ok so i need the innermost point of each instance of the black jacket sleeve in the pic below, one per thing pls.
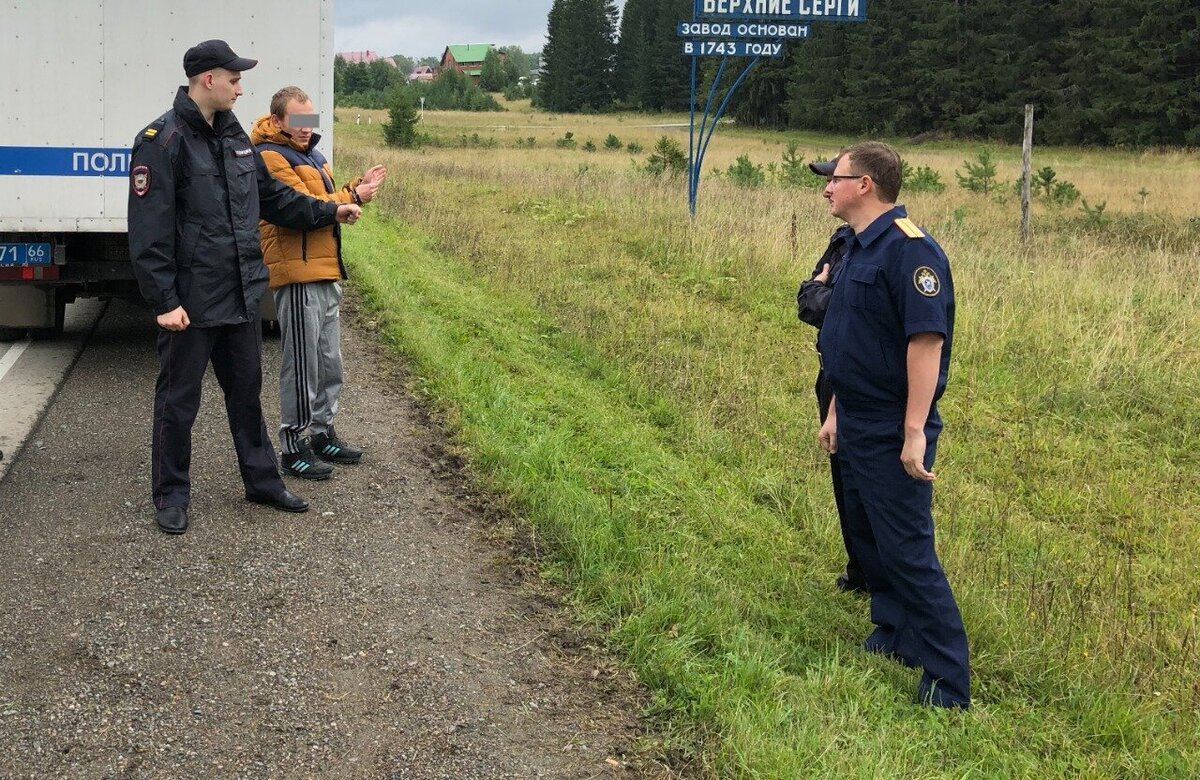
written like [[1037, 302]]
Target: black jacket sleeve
[[812, 299], [284, 206], [152, 225]]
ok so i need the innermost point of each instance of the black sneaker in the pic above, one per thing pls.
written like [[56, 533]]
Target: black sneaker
[[305, 464], [329, 447]]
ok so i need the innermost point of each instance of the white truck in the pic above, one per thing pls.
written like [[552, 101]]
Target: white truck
[[79, 79]]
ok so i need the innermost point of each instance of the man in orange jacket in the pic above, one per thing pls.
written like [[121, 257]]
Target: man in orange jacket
[[306, 273]]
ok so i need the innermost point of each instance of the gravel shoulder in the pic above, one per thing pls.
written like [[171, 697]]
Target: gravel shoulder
[[390, 632]]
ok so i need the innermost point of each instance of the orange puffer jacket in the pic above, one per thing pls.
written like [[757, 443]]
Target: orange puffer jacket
[[297, 256]]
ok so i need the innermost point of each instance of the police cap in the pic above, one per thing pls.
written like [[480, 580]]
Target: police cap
[[825, 167], [213, 54]]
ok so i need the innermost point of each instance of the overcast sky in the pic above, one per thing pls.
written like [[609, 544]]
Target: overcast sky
[[423, 28]]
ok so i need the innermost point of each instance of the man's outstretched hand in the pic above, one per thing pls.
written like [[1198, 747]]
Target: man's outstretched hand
[[348, 213]]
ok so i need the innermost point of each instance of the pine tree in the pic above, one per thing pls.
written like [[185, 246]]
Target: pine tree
[[492, 77], [577, 63], [667, 78], [630, 63], [401, 128], [552, 84]]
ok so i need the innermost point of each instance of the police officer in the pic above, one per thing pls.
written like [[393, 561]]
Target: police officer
[[885, 345], [197, 188], [812, 299]]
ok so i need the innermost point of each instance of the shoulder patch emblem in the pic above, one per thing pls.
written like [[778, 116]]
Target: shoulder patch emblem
[[139, 180], [926, 280], [149, 133], [909, 228]]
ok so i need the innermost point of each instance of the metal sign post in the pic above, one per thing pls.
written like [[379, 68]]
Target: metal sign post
[[744, 28]]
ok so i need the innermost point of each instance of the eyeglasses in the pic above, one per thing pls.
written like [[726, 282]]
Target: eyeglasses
[[837, 176]]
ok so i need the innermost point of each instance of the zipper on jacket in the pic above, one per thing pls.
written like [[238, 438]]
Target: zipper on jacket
[[304, 246]]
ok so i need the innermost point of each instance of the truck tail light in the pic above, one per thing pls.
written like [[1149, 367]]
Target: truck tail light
[[30, 273]]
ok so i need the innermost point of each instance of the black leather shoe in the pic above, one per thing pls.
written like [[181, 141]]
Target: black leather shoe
[[171, 519], [848, 585], [287, 501]]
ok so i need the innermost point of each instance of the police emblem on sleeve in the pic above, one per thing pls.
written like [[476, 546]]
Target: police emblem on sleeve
[[926, 280], [139, 180]]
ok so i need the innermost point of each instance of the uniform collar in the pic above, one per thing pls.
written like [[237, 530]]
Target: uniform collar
[[187, 108], [880, 225]]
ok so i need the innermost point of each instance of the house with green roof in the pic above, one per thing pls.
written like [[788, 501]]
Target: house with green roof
[[467, 58]]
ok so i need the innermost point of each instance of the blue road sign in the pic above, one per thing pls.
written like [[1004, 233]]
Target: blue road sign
[[789, 10], [742, 30], [733, 48]]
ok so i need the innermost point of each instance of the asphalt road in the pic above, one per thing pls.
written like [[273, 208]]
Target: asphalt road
[[390, 632], [31, 373]]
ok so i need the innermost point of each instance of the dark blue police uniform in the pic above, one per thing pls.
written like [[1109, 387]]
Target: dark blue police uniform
[[894, 284], [196, 194]]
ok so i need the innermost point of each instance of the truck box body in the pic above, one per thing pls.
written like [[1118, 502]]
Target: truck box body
[[79, 79]]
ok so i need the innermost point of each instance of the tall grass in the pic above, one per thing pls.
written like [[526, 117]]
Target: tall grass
[[637, 388]]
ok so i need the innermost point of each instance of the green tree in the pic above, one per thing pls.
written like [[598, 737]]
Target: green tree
[[1097, 71], [650, 71], [577, 63], [452, 91], [383, 76], [630, 61], [401, 127], [404, 65], [491, 76], [518, 64], [555, 59]]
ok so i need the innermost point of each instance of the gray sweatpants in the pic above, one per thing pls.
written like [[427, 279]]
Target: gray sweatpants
[[310, 372]]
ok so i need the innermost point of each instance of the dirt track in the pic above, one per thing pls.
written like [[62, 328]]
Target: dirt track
[[384, 634]]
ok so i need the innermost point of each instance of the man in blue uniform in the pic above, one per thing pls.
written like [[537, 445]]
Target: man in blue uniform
[[196, 189], [812, 299], [885, 346]]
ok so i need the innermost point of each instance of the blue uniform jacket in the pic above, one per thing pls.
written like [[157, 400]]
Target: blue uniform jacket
[[890, 287], [196, 193]]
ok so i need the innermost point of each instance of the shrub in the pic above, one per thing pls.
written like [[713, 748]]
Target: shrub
[[566, 142], [452, 91], [633, 147], [476, 141], [589, 146], [668, 157], [921, 179], [1094, 217], [980, 176], [792, 172], [744, 173], [1046, 185], [613, 143]]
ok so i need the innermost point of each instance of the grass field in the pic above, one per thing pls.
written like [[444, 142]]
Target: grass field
[[636, 389]]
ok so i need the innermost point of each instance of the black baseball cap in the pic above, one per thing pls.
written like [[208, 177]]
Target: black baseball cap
[[213, 54], [825, 168]]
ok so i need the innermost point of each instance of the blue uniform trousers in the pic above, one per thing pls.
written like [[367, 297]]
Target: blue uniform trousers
[[890, 526], [235, 352]]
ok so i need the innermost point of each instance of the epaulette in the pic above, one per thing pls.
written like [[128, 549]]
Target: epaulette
[[151, 132], [909, 228]]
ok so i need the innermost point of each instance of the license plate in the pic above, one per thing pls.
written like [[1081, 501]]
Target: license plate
[[25, 254]]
